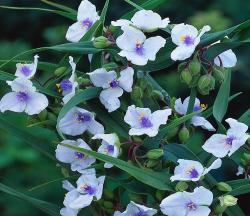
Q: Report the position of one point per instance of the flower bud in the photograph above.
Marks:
(157, 95)
(60, 71)
(83, 81)
(136, 93)
(107, 205)
(186, 76)
(172, 132)
(108, 194)
(181, 66)
(159, 195)
(195, 67)
(218, 73)
(181, 186)
(205, 84)
(228, 200)
(110, 66)
(246, 156)
(101, 42)
(248, 141)
(222, 186)
(151, 163)
(43, 115)
(154, 153)
(183, 134)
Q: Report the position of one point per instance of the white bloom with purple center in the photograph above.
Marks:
(221, 145)
(77, 121)
(23, 98)
(86, 17)
(78, 160)
(88, 188)
(189, 170)
(27, 70)
(113, 86)
(145, 20)
(136, 47)
(197, 120)
(227, 59)
(68, 86)
(186, 37)
(136, 210)
(142, 121)
(110, 146)
(188, 204)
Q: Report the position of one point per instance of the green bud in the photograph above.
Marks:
(143, 84)
(101, 42)
(52, 116)
(183, 134)
(248, 141)
(151, 163)
(218, 73)
(159, 195)
(181, 186)
(60, 71)
(83, 81)
(186, 76)
(154, 153)
(222, 186)
(43, 115)
(110, 66)
(172, 132)
(205, 84)
(136, 93)
(195, 67)
(181, 66)
(112, 28)
(108, 194)
(108, 205)
(157, 95)
(228, 200)
(148, 91)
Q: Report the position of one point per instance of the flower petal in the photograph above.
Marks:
(126, 79)
(152, 46)
(81, 202)
(215, 165)
(36, 103)
(75, 32)
(21, 84)
(201, 121)
(227, 58)
(98, 193)
(87, 10)
(121, 22)
(182, 52)
(10, 102)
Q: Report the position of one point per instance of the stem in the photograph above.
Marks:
(191, 103)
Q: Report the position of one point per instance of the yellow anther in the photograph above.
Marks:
(203, 106)
(58, 88)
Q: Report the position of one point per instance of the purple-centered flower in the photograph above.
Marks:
(22, 96)
(140, 213)
(114, 83)
(139, 49)
(26, 70)
(110, 149)
(89, 190)
(188, 40)
(87, 23)
(145, 122)
(79, 155)
(83, 117)
(230, 139)
(191, 206)
(66, 85)
(193, 173)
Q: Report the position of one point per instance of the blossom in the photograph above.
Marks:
(197, 120)
(189, 170)
(186, 37)
(86, 17)
(142, 121)
(78, 160)
(136, 48)
(110, 146)
(227, 59)
(27, 70)
(68, 86)
(23, 98)
(136, 210)
(188, 204)
(88, 188)
(145, 20)
(77, 121)
(113, 86)
(221, 145)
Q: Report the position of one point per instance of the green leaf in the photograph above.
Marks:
(46, 207)
(240, 186)
(158, 180)
(222, 98)
(234, 211)
(134, 5)
(245, 118)
(59, 6)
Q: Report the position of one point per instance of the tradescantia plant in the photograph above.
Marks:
(122, 142)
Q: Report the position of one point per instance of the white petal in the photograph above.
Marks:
(110, 98)
(236, 144)
(240, 171)
(75, 32)
(200, 211)
(111, 139)
(95, 127)
(227, 58)
(142, 208)
(236, 126)
(68, 186)
(179, 107)
(121, 22)
(21, 84)
(70, 197)
(87, 10)
(182, 52)
(164, 23)
(152, 46)
(36, 103)
(204, 29)
(215, 165)
(201, 121)
(68, 212)
(101, 78)
(81, 202)
(151, 132)
(64, 154)
(126, 79)
(160, 117)
(10, 102)
(98, 194)
(217, 146)
(202, 196)
(134, 57)
(186, 102)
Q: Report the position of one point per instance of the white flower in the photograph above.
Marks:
(227, 59)
(240, 171)
(77, 121)
(188, 204)
(189, 170)
(113, 86)
(23, 98)
(186, 37)
(27, 70)
(136, 48)
(221, 145)
(197, 120)
(136, 210)
(88, 188)
(110, 146)
(68, 86)
(142, 121)
(79, 161)
(145, 20)
(86, 17)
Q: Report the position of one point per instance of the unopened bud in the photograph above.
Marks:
(151, 163)
(181, 186)
(195, 67)
(154, 153)
(248, 141)
(181, 66)
(218, 73)
(83, 81)
(205, 84)
(108, 194)
(101, 42)
(107, 204)
(43, 115)
(110, 66)
(228, 200)
(60, 71)
(136, 93)
(157, 95)
(186, 76)
(222, 186)
(183, 134)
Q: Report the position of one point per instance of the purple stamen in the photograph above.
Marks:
(110, 149)
(140, 213)
(87, 23)
(229, 140)
(145, 122)
(139, 49)
(66, 85)
(188, 40)
(22, 96)
(79, 155)
(114, 83)
(193, 173)
(25, 70)
(191, 206)
(83, 117)
(89, 190)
